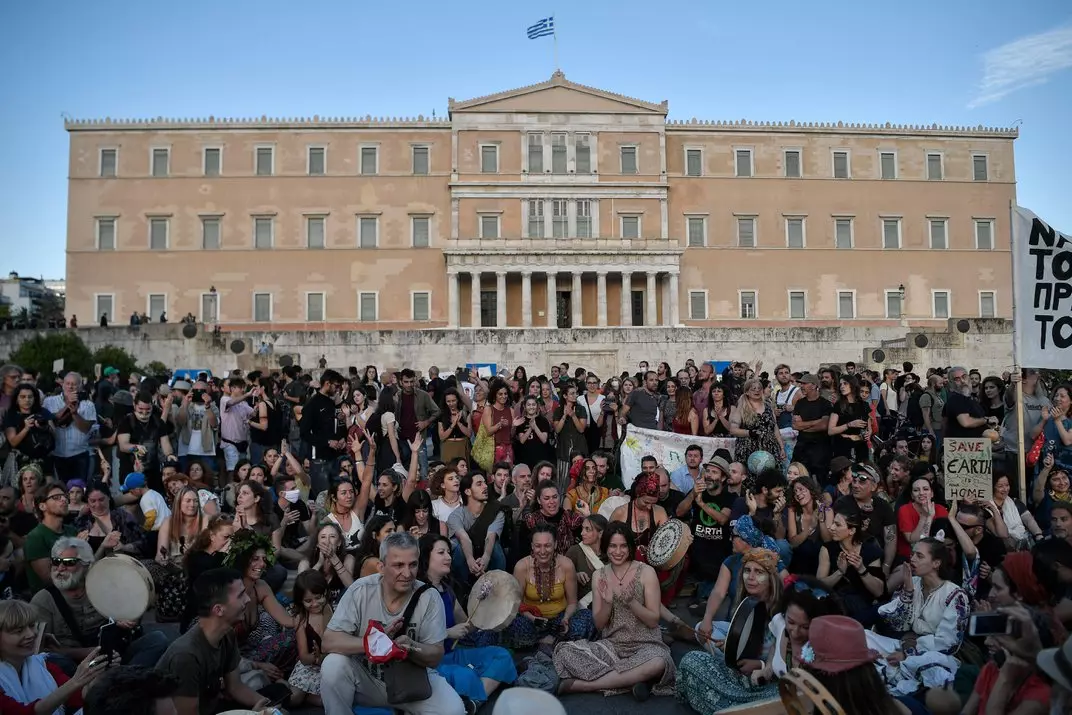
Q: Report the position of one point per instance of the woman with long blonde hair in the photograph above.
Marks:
(753, 423)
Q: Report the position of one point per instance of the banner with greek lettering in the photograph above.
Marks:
(667, 447)
(1042, 280)
(968, 468)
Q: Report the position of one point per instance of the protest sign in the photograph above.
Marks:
(1042, 283)
(667, 447)
(968, 468)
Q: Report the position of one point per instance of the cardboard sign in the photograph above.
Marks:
(969, 468)
(57, 365)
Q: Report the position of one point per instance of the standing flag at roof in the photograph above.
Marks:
(543, 28)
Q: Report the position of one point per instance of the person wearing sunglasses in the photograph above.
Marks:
(876, 515)
(50, 503)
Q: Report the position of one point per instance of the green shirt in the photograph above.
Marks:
(39, 543)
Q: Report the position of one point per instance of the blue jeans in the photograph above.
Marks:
(460, 569)
(256, 453)
(68, 468)
(422, 456)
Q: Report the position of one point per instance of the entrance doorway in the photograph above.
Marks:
(565, 309)
(638, 308)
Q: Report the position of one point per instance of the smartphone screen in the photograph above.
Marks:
(988, 624)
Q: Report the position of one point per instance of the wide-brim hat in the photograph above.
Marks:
(499, 605)
(1057, 663)
(837, 644)
(122, 397)
(720, 463)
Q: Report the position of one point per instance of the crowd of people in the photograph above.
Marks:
(283, 517)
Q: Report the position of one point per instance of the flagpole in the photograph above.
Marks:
(554, 30)
(1021, 456)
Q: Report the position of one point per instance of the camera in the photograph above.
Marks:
(197, 395)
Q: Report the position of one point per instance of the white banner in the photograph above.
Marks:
(667, 447)
(1042, 280)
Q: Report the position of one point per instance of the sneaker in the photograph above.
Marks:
(470, 705)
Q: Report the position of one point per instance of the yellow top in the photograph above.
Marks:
(552, 607)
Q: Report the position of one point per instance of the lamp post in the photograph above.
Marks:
(904, 319)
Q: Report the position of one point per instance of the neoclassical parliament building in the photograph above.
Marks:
(552, 205)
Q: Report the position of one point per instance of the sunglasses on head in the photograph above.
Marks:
(69, 561)
(861, 478)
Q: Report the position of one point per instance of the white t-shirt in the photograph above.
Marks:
(154, 509)
(889, 393)
(442, 511)
(197, 422)
(594, 404)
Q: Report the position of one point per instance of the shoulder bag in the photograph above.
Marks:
(406, 681)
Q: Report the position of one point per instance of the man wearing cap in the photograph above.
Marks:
(75, 417)
(709, 506)
(811, 414)
(154, 508)
(106, 387)
(876, 515)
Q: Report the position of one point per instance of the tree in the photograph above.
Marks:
(41, 350)
(117, 357)
(156, 369)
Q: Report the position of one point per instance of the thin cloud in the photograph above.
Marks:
(1023, 63)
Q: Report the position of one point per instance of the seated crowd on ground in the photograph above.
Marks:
(278, 514)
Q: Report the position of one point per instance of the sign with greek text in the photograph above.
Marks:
(1042, 280)
(968, 468)
(667, 447)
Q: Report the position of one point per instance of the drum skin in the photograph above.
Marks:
(669, 544)
(747, 627)
(120, 588)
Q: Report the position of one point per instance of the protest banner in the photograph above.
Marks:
(968, 468)
(1042, 286)
(667, 447)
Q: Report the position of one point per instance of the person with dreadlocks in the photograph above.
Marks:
(643, 515)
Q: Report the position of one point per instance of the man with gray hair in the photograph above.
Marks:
(412, 617)
(75, 416)
(71, 620)
(964, 416)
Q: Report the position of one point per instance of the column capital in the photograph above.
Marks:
(602, 272)
(527, 273)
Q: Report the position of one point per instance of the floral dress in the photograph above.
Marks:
(708, 684)
(766, 438)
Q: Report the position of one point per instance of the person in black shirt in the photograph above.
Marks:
(964, 417)
(145, 436)
(876, 515)
(972, 518)
(709, 507)
(848, 423)
(766, 500)
(323, 431)
(811, 418)
(669, 499)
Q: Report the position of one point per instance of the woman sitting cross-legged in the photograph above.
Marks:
(549, 598)
(475, 673)
(626, 610)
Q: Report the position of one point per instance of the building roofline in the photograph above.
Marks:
(259, 123)
(745, 126)
(558, 79)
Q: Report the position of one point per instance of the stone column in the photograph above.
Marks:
(601, 298)
(526, 299)
(651, 314)
(500, 299)
(675, 318)
(575, 300)
(552, 299)
(475, 319)
(452, 299)
(627, 299)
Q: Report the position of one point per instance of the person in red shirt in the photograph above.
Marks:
(29, 684)
(914, 519)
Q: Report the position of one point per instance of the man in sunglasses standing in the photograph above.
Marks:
(50, 503)
(876, 515)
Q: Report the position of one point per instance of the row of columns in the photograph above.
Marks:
(671, 312)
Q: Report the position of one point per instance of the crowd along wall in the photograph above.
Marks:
(986, 345)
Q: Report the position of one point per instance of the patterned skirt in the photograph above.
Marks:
(523, 633)
(708, 685)
(171, 590)
(306, 678)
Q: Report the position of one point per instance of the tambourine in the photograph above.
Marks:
(745, 638)
(797, 683)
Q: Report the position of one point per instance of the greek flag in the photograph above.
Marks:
(543, 28)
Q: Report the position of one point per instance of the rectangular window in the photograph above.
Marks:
(210, 233)
(105, 305)
(697, 226)
(489, 226)
(987, 304)
(748, 304)
(558, 153)
(535, 225)
(265, 161)
(939, 240)
(317, 161)
(792, 163)
(891, 233)
(367, 307)
(888, 164)
(535, 153)
(367, 231)
(843, 233)
(630, 227)
(489, 313)
(934, 166)
(698, 305)
(489, 158)
(980, 168)
(314, 231)
(109, 160)
(798, 305)
(157, 305)
(893, 304)
(422, 231)
(422, 305)
(841, 165)
(421, 165)
(794, 232)
(744, 162)
(314, 307)
(263, 228)
(629, 160)
(984, 234)
(583, 151)
(158, 234)
(584, 218)
(559, 218)
(846, 305)
(940, 302)
(161, 159)
(370, 160)
(210, 308)
(693, 162)
(106, 234)
(746, 232)
(262, 307)
(212, 161)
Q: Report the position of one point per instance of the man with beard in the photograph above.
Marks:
(811, 415)
(475, 529)
(642, 406)
(14, 523)
(702, 389)
(685, 476)
(709, 505)
(416, 411)
(828, 379)
(145, 438)
(72, 620)
(50, 503)
(876, 515)
(1061, 521)
(548, 510)
(964, 416)
(323, 431)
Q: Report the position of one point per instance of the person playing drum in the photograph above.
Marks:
(644, 516)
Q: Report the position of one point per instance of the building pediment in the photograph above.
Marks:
(558, 95)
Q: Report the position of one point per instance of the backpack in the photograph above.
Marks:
(915, 412)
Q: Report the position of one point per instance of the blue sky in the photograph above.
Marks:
(951, 62)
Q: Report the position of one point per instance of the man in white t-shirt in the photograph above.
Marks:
(154, 508)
